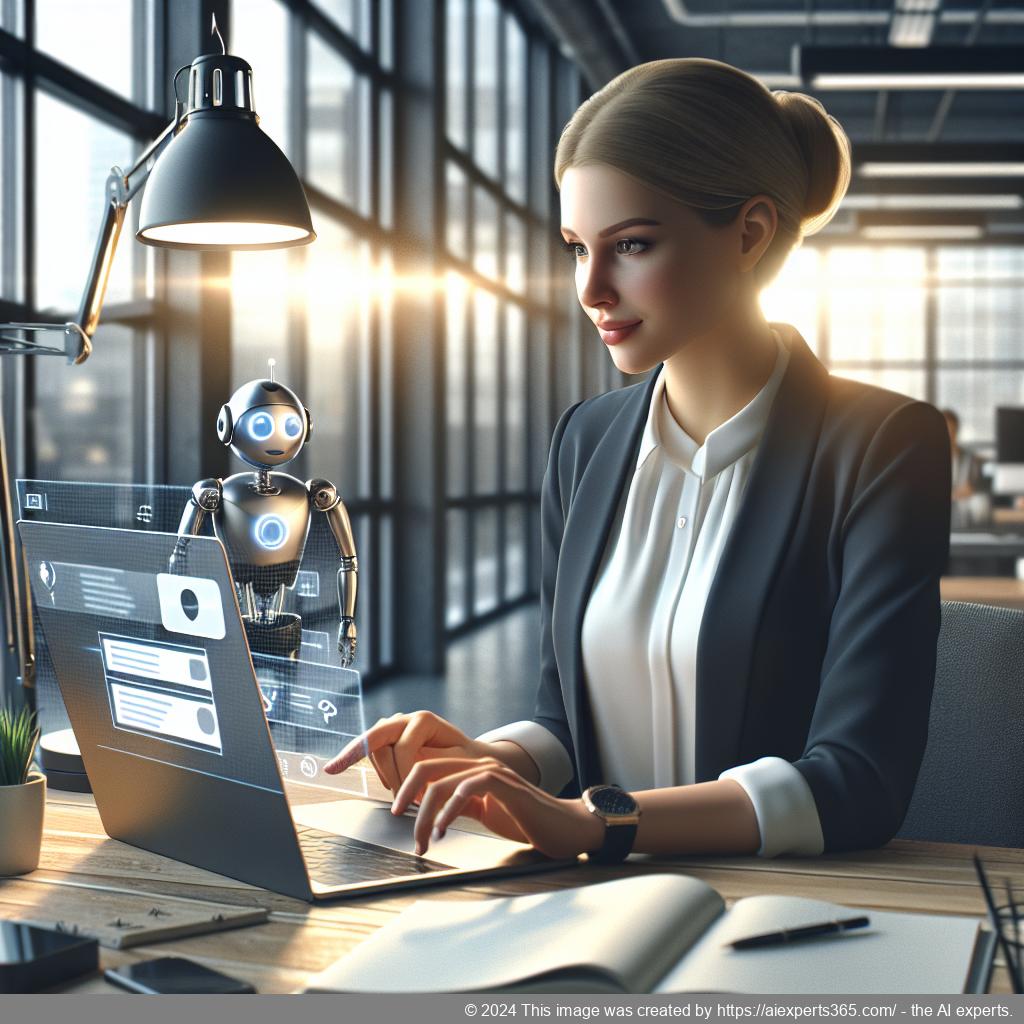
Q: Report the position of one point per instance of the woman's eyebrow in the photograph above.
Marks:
(631, 222)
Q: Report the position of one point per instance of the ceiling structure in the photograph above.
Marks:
(947, 116)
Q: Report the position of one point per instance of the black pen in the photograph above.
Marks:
(807, 931)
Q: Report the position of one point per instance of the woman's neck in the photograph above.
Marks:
(709, 380)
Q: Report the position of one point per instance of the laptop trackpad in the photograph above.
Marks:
(374, 823)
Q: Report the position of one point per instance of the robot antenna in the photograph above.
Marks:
(272, 363)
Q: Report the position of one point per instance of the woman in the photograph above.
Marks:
(794, 524)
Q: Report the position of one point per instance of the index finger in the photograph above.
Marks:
(383, 733)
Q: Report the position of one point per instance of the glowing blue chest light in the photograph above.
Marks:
(271, 532)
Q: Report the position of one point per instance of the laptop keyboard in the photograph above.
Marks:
(340, 860)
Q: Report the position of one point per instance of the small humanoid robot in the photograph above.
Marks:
(262, 518)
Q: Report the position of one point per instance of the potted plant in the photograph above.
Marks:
(22, 793)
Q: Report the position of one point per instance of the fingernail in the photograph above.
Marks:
(394, 807)
(437, 834)
(419, 849)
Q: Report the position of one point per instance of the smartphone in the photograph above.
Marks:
(171, 975)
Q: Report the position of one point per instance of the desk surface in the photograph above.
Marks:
(299, 938)
(1001, 591)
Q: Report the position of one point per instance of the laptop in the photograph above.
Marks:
(159, 684)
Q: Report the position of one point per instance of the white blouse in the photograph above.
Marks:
(642, 623)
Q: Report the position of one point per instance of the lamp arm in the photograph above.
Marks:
(122, 187)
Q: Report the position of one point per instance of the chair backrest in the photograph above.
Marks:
(971, 785)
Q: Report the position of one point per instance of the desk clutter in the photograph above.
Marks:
(34, 958)
(119, 919)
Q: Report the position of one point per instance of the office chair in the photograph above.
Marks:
(971, 785)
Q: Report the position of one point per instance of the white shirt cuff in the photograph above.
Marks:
(784, 804)
(552, 760)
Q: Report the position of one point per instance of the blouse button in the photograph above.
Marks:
(681, 522)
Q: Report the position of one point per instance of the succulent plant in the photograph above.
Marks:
(19, 734)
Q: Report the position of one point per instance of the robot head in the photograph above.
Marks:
(264, 423)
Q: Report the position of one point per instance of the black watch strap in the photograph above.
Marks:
(621, 814)
(617, 845)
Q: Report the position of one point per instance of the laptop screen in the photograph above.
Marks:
(154, 664)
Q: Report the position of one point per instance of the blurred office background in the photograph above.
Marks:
(432, 329)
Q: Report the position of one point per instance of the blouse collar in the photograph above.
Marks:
(726, 443)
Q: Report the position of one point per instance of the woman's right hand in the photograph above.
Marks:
(394, 745)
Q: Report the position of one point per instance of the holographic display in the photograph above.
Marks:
(161, 690)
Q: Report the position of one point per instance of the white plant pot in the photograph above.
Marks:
(21, 825)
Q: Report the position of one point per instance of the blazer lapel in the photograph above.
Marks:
(751, 557)
(584, 538)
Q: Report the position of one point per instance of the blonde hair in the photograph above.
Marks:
(711, 136)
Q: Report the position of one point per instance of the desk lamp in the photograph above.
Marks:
(215, 182)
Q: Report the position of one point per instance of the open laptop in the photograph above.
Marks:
(160, 687)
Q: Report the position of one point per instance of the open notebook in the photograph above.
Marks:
(657, 933)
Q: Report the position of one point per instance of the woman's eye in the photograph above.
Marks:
(630, 246)
(574, 250)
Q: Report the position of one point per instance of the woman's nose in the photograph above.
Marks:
(593, 285)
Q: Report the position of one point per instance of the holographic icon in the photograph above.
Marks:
(35, 502)
(327, 709)
(269, 700)
(47, 576)
(308, 767)
(283, 762)
(145, 514)
(190, 605)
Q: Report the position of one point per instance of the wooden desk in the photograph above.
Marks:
(300, 938)
(1001, 591)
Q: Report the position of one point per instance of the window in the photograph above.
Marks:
(506, 328)
(323, 311)
(939, 324)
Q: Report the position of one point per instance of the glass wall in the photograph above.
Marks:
(323, 312)
(511, 313)
(938, 323)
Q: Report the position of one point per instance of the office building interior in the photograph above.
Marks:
(432, 329)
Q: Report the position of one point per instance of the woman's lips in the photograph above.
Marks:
(612, 335)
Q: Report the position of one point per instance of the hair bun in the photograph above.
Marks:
(825, 149)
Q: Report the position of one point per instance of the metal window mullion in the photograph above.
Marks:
(469, 80)
(376, 532)
(77, 90)
(297, 334)
(470, 404)
(930, 326)
(26, 452)
(469, 413)
(501, 335)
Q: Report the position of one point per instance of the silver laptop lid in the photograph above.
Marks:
(156, 675)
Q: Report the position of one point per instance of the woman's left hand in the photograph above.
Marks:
(499, 798)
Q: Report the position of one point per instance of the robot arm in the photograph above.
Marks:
(324, 497)
(206, 498)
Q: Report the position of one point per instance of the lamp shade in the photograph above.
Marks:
(222, 183)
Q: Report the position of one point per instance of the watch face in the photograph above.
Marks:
(612, 800)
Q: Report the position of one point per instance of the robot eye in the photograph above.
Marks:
(261, 426)
(293, 426)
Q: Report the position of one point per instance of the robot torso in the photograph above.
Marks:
(264, 533)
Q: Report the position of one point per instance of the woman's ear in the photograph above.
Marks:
(759, 220)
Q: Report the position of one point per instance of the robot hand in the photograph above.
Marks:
(178, 562)
(347, 641)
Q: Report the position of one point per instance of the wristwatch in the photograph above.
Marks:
(620, 814)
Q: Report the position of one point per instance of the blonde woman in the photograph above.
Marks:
(741, 554)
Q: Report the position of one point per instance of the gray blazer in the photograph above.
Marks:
(818, 639)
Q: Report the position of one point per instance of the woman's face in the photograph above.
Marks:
(650, 274)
